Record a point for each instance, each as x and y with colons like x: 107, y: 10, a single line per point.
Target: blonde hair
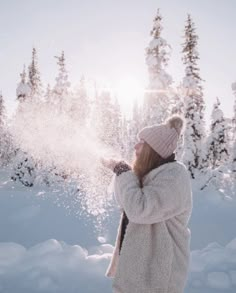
x: 147, y: 161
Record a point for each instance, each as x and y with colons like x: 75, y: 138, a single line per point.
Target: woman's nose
x: 137, y: 145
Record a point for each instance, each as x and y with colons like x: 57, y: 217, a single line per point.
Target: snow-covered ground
x: 47, y: 248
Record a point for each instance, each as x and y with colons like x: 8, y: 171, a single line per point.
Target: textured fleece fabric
x: 155, y: 252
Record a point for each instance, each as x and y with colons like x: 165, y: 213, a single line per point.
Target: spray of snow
x: 56, y: 142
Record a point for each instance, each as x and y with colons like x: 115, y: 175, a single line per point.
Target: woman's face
x: 138, y: 147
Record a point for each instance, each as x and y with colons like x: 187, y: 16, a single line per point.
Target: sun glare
x: 128, y: 90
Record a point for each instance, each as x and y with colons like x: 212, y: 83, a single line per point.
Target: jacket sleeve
x: 161, y: 199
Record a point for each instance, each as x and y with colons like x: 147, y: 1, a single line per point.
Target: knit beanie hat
x: 163, y: 138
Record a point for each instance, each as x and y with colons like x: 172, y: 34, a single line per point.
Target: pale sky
x: 106, y: 39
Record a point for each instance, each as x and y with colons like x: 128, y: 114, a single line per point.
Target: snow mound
x: 232, y: 244
x: 53, y: 266
x: 213, y: 267
x: 218, y: 280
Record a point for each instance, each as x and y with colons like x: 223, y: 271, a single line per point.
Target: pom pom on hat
x: 176, y: 122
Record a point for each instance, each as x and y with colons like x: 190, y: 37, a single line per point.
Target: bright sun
x: 128, y: 90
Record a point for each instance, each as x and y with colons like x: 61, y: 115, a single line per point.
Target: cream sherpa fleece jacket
x: 155, y: 252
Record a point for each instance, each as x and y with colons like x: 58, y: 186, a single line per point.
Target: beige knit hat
x: 163, y: 138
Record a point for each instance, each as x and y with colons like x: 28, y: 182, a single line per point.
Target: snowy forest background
x: 47, y: 115
x: 56, y: 137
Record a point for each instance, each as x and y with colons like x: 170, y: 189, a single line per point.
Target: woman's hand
x: 116, y: 166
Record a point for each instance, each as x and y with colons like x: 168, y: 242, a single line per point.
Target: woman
x: 151, y: 253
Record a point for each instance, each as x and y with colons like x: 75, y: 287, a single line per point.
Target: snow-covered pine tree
x: 125, y: 139
x: 218, y: 152
x: 156, y: 99
x: 117, y: 125
x: 105, y: 113
x: 2, y: 111
x: 48, y: 95
x: 79, y: 108
x: 106, y: 120
x: 134, y: 126
x: 6, y: 149
x: 94, y: 117
x: 23, y: 90
x: 34, y: 79
x: 234, y: 131
x: 234, y: 113
x: 234, y: 158
x: 61, y: 88
x: 23, y: 165
x: 193, y: 100
x: 177, y: 108
x: 24, y: 169
x: 177, y: 101
x: 3, y: 134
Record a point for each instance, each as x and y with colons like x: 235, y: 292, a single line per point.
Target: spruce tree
x: 135, y: 125
x: 2, y: 127
x: 193, y: 101
x: 6, y: 151
x: 177, y: 101
x: 24, y: 169
x: 178, y: 109
x: 79, y: 108
x: 218, y: 151
x: 105, y: 118
x: 234, y: 111
x: 234, y: 131
x: 23, y: 90
x: 234, y: 158
x: 29, y: 96
x: 2, y: 111
x: 34, y: 79
x: 125, y: 139
x: 117, y: 125
x: 48, y: 95
x: 156, y: 100
x: 61, y: 88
